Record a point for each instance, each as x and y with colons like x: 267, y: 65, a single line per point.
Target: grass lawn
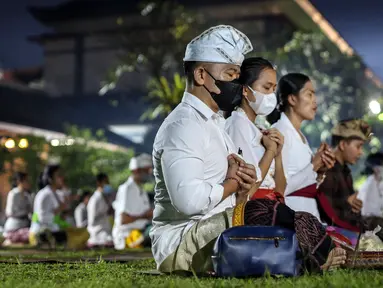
x: 103, y: 274
x: 15, y: 255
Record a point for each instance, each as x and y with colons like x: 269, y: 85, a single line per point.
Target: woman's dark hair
x: 100, y: 177
x: 85, y: 194
x: 251, y: 69
x: 18, y: 178
x: 48, y: 173
x: 40, y: 182
x: 289, y: 84
x: 373, y: 160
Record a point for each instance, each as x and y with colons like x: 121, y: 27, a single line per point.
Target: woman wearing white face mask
x: 371, y: 192
x: 260, y: 147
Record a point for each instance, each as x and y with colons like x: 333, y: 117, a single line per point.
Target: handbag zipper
x: 276, y: 239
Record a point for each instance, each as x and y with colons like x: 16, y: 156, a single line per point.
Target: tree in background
x: 156, y: 51
x: 82, y: 160
x: 164, y: 96
x: 79, y: 155
x: 29, y: 158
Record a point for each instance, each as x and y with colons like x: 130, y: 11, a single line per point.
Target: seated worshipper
x: 18, y: 211
x: 371, y: 192
x: 99, y: 211
x: 197, y: 173
x: 48, y: 226
x: 80, y: 213
x: 133, y: 212
x: 339, y: 203
x: 66, y: 196
x: 297, y: 103
x: 259, y: 147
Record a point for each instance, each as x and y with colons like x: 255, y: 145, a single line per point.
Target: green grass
x: 14, y: 253
x: 104, y: 274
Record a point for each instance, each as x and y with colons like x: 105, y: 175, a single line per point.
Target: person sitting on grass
x: 18, y: 211
x: 47, y: 226
x: 338, y: 201
x: 80, y: 213
x: 371, y: 191
x: 200, y: 180
x: 99, y: 211
x: 133, y: 212
x: 259, y: 80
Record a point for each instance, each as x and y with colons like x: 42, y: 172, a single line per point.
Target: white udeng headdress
x: 142, y: 161
x: 219, y: 44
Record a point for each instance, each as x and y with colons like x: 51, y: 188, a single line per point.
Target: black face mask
x: 231, y: 93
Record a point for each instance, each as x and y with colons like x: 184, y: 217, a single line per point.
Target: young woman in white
x: 260, y: 147
x: 48, y: 225
x: 304, y: 170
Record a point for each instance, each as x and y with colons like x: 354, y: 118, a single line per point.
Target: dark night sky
x: 359, y: 22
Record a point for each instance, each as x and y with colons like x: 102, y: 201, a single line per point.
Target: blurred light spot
x: 55, y: 142
x: 23, y: 143
x: 10, y: 144
x: 375, y: 107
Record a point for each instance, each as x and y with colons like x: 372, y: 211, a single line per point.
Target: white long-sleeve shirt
x: 190, y: 163
x: 247, y: 136
x: 99, y: 226
x: 296, y: 158
x: 80, y: 215
x: 44, y: 205
x: 371, y: 193
x: 132, y: 200
x: 17, y: 210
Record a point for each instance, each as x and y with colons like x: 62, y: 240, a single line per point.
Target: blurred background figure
x: 80, y: 213
x: 133, y: 211
x: 371, y: 192
x: 18, y: 211
x: 66, y: 196
x: 48, y: 225
x: 99, y: 210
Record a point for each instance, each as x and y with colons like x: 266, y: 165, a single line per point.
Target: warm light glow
x: 10, y: 144
x: 375, y: 107
x: 55, y: 142
x: 380, y: 117
x: 23, y: 143
x: 325, y: 26
x: 69, y: 141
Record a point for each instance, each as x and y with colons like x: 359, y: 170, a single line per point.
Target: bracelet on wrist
x: 232, y: 178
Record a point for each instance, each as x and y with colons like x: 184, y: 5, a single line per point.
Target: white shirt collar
x: 197, y: 104
x: 290, y: 125
x: 287, y: 121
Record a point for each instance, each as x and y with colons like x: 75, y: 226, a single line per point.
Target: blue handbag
x: 243, y: 251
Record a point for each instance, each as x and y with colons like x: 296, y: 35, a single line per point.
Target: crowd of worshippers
x: 99, y: 219
x: 215, y: 167
x: 209, y: 158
